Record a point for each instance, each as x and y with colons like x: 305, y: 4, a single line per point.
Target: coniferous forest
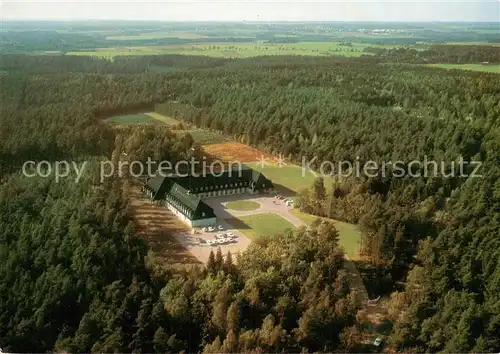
x: 76, y: 278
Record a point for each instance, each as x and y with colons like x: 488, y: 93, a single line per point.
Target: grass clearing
x: 244, y: 205
x: 490, y: 68
x: 132, y: 119
x: 204, y: 137
x: 350, y: 235
x: 258, y: 225
x: 165, y: 119
x: 234, y: 152
x: 289, y: 179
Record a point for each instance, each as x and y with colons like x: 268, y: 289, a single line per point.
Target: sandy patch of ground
x: 157, y: 224
x: 235, y: 152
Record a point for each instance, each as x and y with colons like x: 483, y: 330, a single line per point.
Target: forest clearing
x: 235, y: 152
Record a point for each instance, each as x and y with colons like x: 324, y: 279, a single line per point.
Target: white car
x: 230, y: 234
x: 210, y: 229
x: 220, y: 235
x: 204, y: 229
x: 220, y: 227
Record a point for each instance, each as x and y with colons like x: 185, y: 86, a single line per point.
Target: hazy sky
x: 237, y: 10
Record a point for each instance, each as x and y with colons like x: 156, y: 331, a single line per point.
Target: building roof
x: 159, y: 185
x: 184, y: 189
x: 237, y: 176
x: 191, y: 201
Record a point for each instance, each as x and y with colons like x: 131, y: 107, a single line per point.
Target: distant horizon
x: 250, y: 21
x: 455, y: 11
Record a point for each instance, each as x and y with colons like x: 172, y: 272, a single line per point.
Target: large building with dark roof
x: 184, y: 195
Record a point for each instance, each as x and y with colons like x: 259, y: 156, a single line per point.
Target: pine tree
x: 219, y: 260
x: 228, y: 263
x: 211, y: 265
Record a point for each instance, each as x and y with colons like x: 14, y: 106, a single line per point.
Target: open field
x: 132, y: 119
x: 478, y: 43
x: 156, y: 35
x: 234, y: 152
x: 244, y: 205
x: 238, y: 49
x: 491, y: 68
x: 165, y: 119
x: 289, y: 179
x: 204, y: 137
x: 258, y: 225
x: 350, y: 235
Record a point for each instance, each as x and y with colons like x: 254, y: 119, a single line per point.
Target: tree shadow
x: 284, y: 191
x: 238, y: 224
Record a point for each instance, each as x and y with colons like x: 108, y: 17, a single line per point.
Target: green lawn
x: 242, y: 205
x: 491, y: 68
x: 205, y: 137
x: 258, y: 225
x: 130, y: 119
x: 165, y: 119
x: 289, y: 179
x: 349, y: 234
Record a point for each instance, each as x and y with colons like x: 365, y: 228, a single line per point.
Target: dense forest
x: 76, y: 278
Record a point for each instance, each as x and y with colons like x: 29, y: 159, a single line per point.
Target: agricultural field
x: 242, y: 205
x: 238, y: 49
x: 491, y: 68
x: 478, y: 43
x: 156, y: 35
x: 349, y: 234
x: 258, y: 225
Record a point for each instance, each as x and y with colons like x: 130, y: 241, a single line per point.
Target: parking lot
x: 200, y: 242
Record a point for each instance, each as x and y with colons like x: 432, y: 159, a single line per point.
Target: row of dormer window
x: 217, y: 187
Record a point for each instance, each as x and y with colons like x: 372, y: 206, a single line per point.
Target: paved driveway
x: 195, y: 241
x: 267, y: 205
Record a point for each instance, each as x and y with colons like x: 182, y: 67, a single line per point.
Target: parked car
x: 378, y: 342
x: 211, y: 229
x: 220, y: 227
x: 230, y: 234
x: 204, y: 229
